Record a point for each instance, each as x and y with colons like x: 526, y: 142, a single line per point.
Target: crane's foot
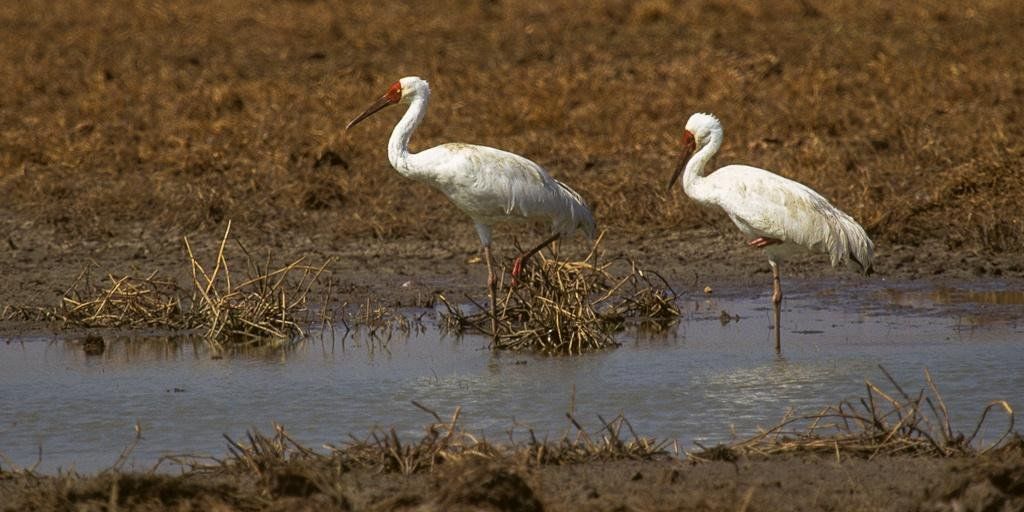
x: 761, y: 242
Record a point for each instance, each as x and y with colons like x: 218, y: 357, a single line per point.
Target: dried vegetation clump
x: 878, y: 424
x: 445, y: 442
x: 266, y: 306
x: 571, y: 307
x: 118, y: 301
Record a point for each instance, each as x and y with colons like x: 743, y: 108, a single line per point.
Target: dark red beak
x: 689, y: 146
x: 381, y: 102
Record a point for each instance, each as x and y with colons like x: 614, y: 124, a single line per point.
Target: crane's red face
x: 394, y: 95
x: 689, y: 146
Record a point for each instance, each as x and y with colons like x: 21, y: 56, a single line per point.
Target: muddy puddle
x: 714, y: 376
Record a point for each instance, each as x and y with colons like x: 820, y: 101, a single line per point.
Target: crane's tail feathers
x: 575, y: 215
x: 849, y: 243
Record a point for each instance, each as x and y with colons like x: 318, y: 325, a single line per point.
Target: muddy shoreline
x: 796, y: 482
x: 408, y: 272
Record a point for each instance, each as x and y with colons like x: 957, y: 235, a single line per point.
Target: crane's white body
x: 778, y: 214
x: 489, y: 185
x: 766, y: 205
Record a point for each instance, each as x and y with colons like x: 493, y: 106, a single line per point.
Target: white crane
x: 489, y: 185
x: 780, y: 215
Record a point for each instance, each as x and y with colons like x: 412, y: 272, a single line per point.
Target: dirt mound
x: 995, y: 482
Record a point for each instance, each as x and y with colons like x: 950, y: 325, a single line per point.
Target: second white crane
x: 779, y: 215
x: 489, y: 185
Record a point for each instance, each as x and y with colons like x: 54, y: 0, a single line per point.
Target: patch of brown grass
x: 381, y: 323
x: 263, y: 308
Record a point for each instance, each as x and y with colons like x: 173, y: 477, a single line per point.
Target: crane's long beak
x: 680, y: 166
x: 381, y: 102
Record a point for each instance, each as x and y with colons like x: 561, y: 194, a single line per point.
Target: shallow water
x: 699, y: 384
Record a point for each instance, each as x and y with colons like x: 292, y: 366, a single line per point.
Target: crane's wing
x: 763, y: 204
x: 493, y: 185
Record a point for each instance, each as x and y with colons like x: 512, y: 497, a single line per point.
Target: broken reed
x: 263, y: 307
x: 880, y: 423
x: 571, y: 307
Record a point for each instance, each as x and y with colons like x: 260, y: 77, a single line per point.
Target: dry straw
x: 445, y: 442
x: 125, y: 301
x: 262, y: 308
x: 571, y: 307
x: 267, y: 306
x: 881, y: 423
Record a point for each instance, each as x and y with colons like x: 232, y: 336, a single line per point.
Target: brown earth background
x: 127, y: 125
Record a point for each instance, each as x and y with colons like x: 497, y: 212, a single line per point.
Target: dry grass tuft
x: 571, y: 307
x: 879, y: 424
x: 445, y: 442
x: 125, y: 302
x: 265, y: 307
x: 610, y: 443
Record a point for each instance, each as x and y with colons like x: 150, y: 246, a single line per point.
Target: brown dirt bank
x: 781, y: 483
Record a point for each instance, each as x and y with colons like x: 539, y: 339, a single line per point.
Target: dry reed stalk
x: 878, y: 424
x: 264, y: 453
x: 582, y: 448
x: 571, y: 307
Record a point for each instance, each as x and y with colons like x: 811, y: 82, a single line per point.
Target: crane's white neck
x: 693, y: 175
x: 398, y: 144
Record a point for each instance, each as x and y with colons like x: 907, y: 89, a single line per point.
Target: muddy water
x: 713, y: 376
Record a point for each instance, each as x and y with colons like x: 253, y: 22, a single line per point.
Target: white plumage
x: 778, y: 214
x: 489, y: 185
x: 492, y: 186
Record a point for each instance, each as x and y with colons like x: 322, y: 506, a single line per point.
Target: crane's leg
x: 776, y: 303
x: 760, y: 243
x: 517, y: 265
x: 492, y: 293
